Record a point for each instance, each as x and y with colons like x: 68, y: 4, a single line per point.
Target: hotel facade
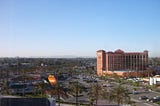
x: 119, y: 62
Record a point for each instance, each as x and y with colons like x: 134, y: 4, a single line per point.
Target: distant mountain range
x: 57, y: 56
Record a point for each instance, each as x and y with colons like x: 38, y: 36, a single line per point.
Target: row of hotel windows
x: 126, y: 58
x: 133, y: 56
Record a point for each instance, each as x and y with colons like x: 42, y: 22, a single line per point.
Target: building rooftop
x: 100, y: 51
x: 119, y: 51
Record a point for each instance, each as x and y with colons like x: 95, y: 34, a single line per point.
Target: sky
x: 79, y: 28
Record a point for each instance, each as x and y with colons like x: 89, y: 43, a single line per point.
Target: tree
x: 59, y: 92
x: 119, y: 95
x: 91, y: 97
x: 75, y: 89
x: 136, y: 84
x: 41, y: 87
x: 149, y: 72
x: 94, y: 93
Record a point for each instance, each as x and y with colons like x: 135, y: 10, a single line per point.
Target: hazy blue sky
x: 78, y: 27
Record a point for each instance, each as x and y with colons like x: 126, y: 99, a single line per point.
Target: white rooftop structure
x: 154, y: 80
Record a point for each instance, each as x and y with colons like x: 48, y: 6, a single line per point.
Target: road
x: 134, y: 97
x: 141, y: 92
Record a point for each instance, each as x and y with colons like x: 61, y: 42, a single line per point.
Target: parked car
x: 135, y: 92
x: 154, y: 99
x: 143, y: 97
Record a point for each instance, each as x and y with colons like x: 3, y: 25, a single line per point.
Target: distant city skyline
x: 58, y: 28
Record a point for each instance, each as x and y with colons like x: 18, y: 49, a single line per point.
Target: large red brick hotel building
x: 119, y: 62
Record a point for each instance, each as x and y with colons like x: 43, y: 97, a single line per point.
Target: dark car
x: 154, y: 99
x: 143, y: 98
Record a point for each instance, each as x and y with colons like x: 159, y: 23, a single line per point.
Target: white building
x: 154, y: 80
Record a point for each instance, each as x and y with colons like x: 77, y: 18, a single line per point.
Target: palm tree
x: 77, y: 92
x: 94, y: 93
x: 91, y: 96
x: 76, y: 89
x: 119, y: 95
x: 41, y: 89
x: 59, y: 92
x: 149, y: 72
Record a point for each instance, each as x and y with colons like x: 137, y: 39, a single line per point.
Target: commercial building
x: 154, y: 80
x: 16, y: 101
x: 120, y: 61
